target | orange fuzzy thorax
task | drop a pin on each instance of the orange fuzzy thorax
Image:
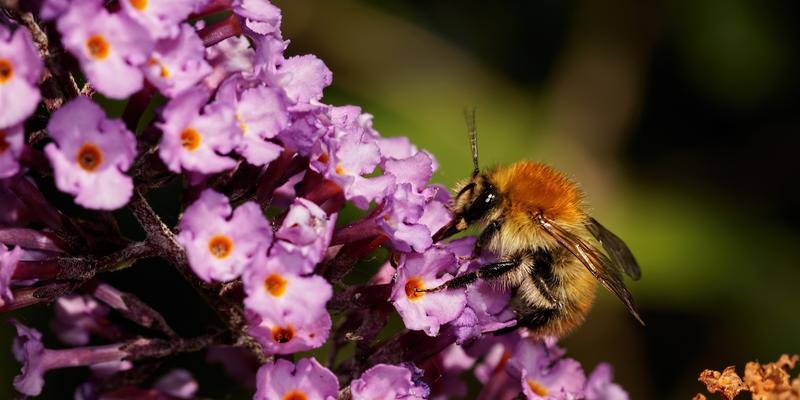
(532, 187)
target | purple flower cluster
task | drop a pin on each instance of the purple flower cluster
(266, 167)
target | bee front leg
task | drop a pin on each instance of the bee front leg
(492, 229)
(486, 272)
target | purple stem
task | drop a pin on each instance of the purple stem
(131, 307)
(358, 230)
(220, 31)
(29, 239)
(413, 346)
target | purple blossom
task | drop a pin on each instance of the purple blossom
(51, 9)
(177, 63)
(220, 242)
(599, 386)
(20, 69)
(426, 311)
(8, 264)
(260, 16)
(193, 141)
(261, 114)
(272, 285)
(177, 383)
(37, 360)
(389, 382)
(303, 78)
(415, 170)
(110, 47)
(306, 380)
(304, 236)
(12, 140)
(543, 376)
(160, 18)
(227, 57)
(90, 155)
(76, 317)
(289, 331)
(400, 219)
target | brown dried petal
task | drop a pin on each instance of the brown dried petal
(727, 382)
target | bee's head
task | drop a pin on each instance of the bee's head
(474, 199)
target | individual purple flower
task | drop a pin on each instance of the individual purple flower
(345, 160)
(8, 264)
(90, 155)
(76, 317)
(193, 141)
(389, 382)
(227, 57)
(37, 360)
(304, 236)
(599, 386)
(160, 18)
(306, 380)
(260, 16)
(260, 113)
(304, 132)
(542, 376)
(177, 383)
(290, 330)
(303, 78)
(420, 310)
(272, 285)
(415, 170)
(177, 63)
(400, 219)
(12, 140)
(449, 364)
(396, 147)
(220, 242)
(51, 9)
(20, 69)
(110, 47)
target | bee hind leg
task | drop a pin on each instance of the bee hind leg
(486, 272)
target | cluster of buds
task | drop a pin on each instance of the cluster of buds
(243, 128)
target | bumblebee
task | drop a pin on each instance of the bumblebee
(534, 220)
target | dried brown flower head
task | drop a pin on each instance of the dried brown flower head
(770, 381)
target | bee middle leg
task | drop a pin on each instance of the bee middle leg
(486, 272)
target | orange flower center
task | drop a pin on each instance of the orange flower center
(323, 158)
(339, 169)
(281, 334)
(296, 394)
(220, 246)
(98, 47)
(139, 4)
(4, 145)
(537, 388)
(89, 157)
(275, 285)
(6, 70)
(411, 288)
(190, 139)
(242, 124)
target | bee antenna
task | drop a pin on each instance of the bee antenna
(469, 117)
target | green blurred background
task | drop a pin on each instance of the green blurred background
(680, 120)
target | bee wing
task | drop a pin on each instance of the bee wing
(616, 248)
(595, 261)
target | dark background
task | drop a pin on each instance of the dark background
(679, 119)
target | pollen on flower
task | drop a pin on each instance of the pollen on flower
(4, 145)
(537, 388)
(89, 157)
(339, 169)
(242, 124)
(98, 47)
(6, 71)
(139, 4)
(275, 285)
(412, 285)
(296, 394)
(283, 335)
(220, 246)
(190, 139)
